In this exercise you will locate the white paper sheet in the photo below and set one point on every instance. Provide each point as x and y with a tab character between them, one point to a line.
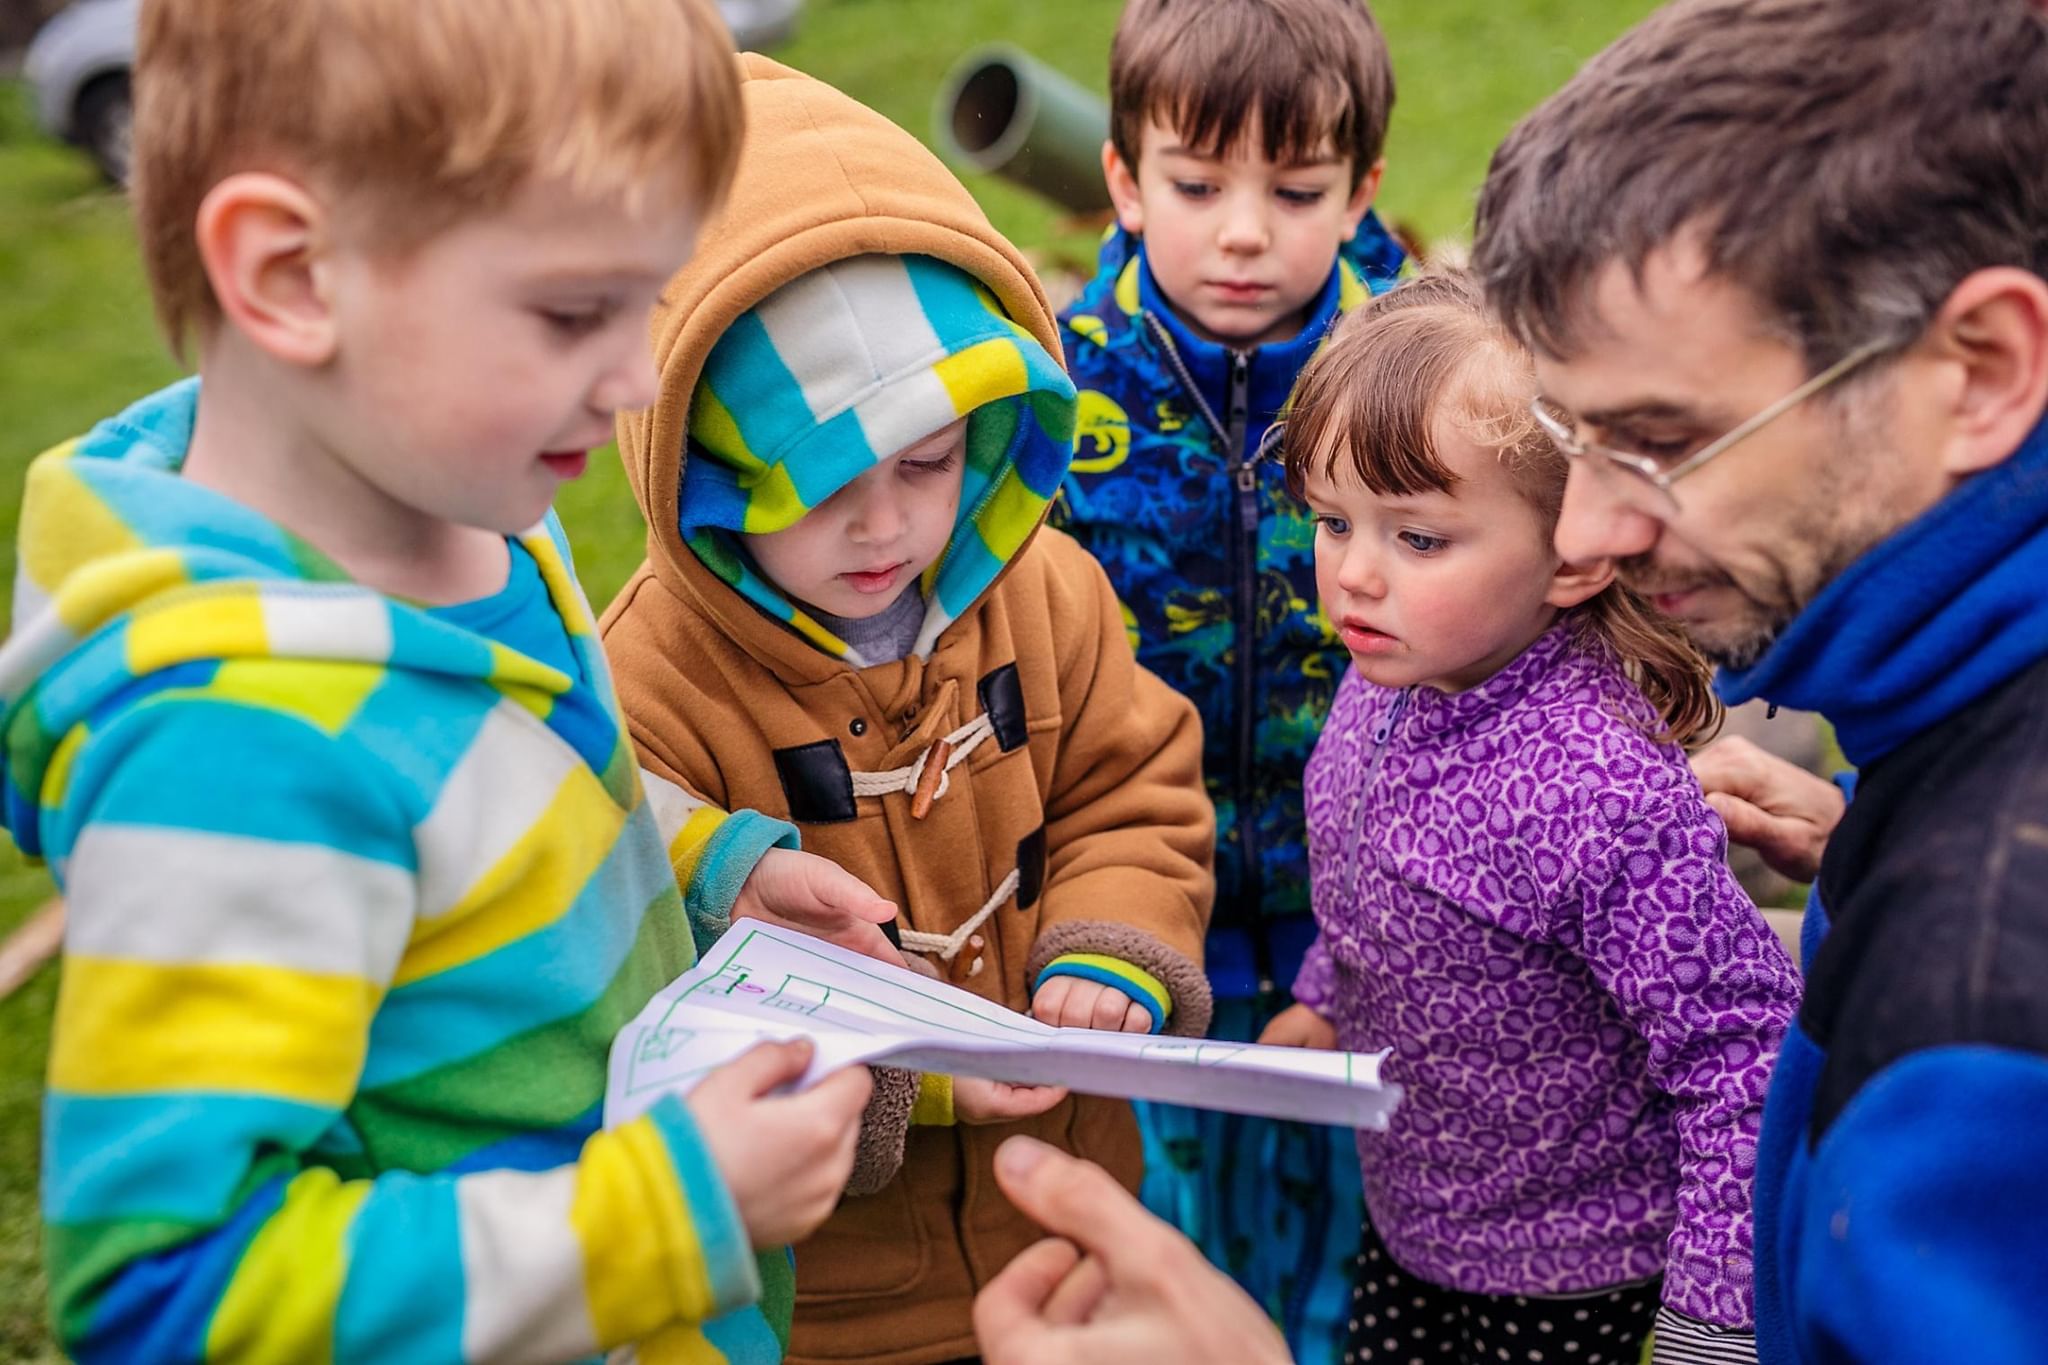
761	982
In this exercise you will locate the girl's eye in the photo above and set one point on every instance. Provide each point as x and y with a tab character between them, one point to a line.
1336	526
1421	543
938	466
1301	198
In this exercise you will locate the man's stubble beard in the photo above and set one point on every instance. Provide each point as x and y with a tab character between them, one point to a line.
1845	512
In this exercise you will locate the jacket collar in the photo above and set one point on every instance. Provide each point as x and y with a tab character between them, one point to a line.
1431	712
1270	370
1927	621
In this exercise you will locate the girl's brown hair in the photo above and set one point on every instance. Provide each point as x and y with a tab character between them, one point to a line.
1429	348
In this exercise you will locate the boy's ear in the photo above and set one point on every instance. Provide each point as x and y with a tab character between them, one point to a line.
260	238
1123	189
1575	583
1361	198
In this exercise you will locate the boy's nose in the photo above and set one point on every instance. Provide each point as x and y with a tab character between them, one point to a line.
1244	228
1595	524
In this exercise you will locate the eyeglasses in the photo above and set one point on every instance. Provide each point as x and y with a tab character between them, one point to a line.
1644	482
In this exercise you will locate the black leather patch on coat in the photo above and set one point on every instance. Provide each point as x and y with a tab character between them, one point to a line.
1030	868
816	782
1002	696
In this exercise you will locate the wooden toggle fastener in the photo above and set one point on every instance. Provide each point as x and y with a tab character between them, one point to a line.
928	780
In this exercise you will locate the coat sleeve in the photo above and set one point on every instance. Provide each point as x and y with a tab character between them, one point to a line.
1701	978
712	847
713	851
240	901
1923	1212
1130	833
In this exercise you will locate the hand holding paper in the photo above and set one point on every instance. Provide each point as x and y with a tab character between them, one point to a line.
784	1158
762	982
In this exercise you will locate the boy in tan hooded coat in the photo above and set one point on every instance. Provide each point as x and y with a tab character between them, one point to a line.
851	617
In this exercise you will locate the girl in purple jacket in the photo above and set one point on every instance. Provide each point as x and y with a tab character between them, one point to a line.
1517	884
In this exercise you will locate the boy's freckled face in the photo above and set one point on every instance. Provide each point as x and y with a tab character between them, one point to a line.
476	372
1240	245
856	552
1437	589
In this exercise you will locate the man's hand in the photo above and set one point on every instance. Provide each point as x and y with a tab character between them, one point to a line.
978	1101
1777	808
1075	1002
1300	1026
1113	1285
785	1158
815	896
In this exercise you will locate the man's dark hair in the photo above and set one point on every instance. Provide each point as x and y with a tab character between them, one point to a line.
1309	72
1848	162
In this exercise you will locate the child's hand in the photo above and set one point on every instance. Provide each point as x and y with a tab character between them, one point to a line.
785	1158
978	1101
816	896
1073	1002
1300	1026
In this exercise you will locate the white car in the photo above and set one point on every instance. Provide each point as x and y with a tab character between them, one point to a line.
78	68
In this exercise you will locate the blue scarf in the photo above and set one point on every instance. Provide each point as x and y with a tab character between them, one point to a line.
1927	621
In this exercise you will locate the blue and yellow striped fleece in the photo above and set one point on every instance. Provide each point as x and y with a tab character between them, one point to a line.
357	900
840	369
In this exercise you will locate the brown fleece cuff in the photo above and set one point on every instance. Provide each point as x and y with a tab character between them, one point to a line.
884	1125
1184	981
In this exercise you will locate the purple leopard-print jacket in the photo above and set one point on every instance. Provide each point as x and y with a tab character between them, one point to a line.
1526	898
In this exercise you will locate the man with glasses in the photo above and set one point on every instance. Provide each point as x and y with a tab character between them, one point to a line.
1782	264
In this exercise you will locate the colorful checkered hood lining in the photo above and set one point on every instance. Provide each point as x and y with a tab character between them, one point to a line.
840	369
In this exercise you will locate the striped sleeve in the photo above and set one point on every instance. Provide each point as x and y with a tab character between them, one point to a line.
1680	1340
1147	990
242	887
713	851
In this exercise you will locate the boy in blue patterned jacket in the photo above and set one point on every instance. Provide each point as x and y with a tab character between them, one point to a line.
1243	160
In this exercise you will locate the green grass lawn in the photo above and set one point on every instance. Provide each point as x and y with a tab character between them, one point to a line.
77	342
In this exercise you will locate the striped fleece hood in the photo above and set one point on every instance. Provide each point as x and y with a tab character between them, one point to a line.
133	579
838	370
828	321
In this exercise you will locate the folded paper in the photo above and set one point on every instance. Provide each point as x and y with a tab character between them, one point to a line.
762	983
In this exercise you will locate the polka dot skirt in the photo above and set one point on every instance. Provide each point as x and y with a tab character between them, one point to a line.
1397	1319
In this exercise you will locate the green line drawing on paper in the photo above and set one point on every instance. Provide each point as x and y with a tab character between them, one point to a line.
762	982
945	1014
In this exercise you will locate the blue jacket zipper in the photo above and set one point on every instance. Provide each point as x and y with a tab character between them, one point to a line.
1244	561
1245	479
